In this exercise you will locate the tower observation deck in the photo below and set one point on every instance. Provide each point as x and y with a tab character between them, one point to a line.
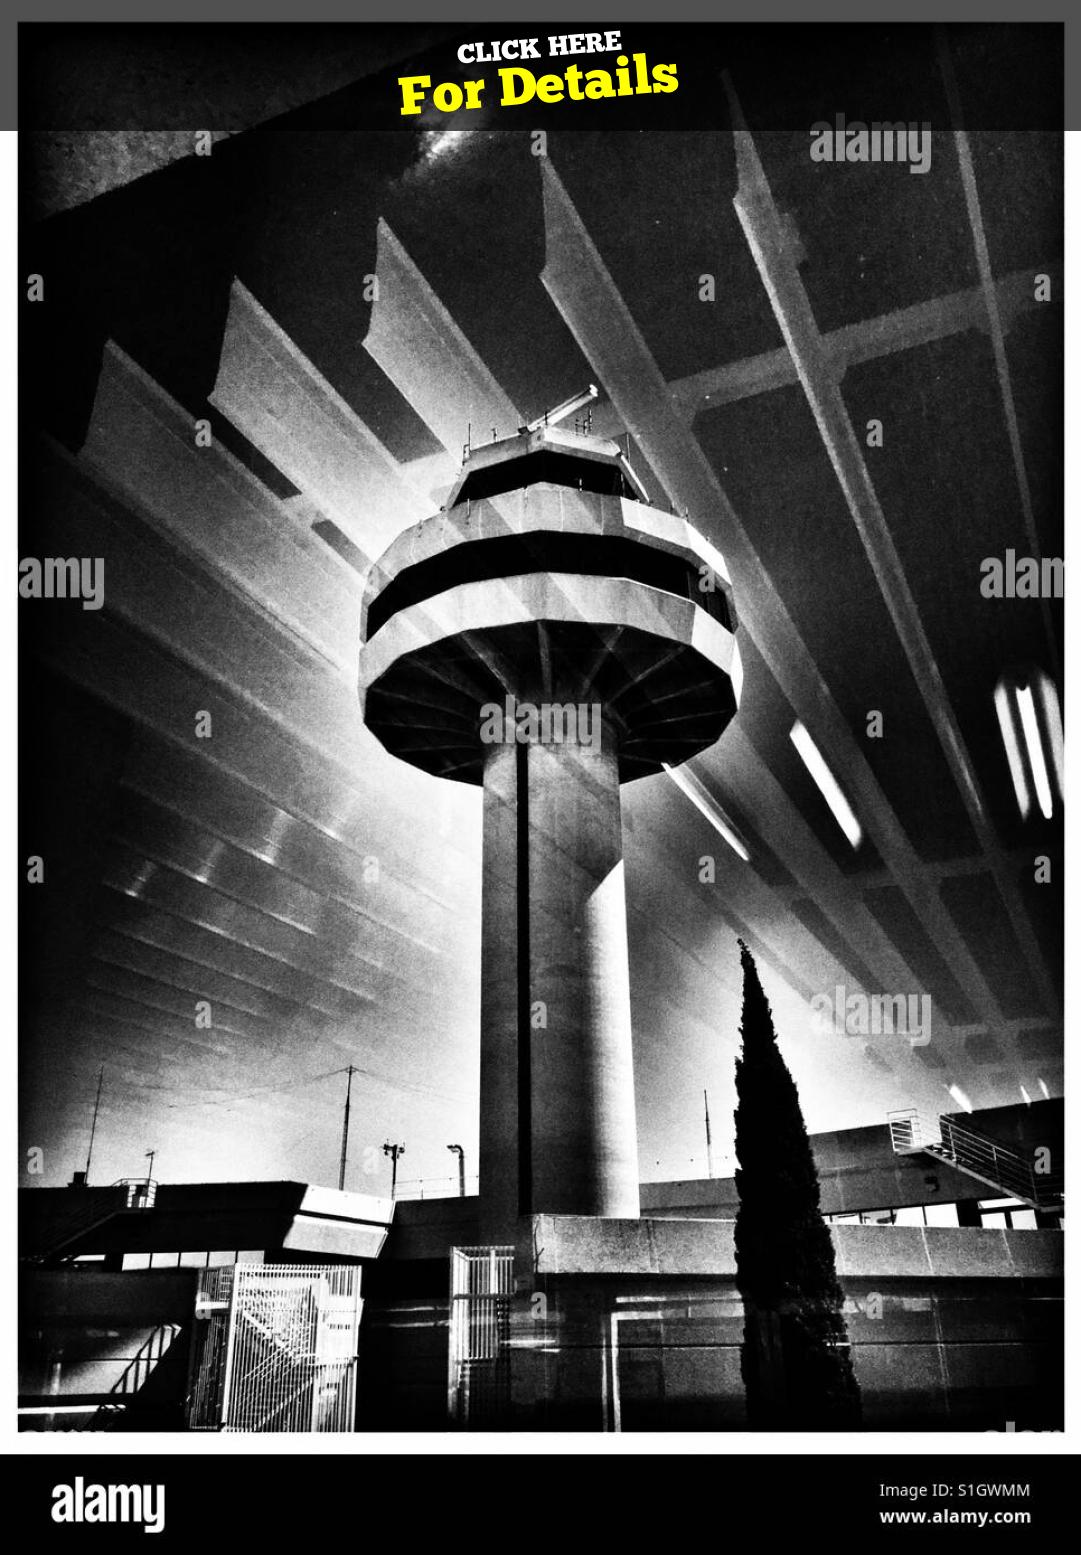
550	635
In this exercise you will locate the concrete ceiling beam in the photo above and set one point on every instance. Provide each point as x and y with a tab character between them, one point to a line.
428	359
272	394
141	445
761	222
588	301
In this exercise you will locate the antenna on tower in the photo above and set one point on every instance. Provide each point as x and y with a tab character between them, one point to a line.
709	1139
561	412
94	1125
351	1071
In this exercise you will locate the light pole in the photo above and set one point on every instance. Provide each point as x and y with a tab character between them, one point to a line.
460	1153
394	1151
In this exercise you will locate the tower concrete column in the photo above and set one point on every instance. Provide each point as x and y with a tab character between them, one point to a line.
504	1039
558	1129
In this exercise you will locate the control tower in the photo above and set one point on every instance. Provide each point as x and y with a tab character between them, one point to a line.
548	636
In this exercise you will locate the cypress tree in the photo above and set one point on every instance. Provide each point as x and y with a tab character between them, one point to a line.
795	1359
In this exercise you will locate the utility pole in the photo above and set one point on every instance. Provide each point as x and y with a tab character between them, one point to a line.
351	1071
709	1139
460	1153
394	1151
94	1125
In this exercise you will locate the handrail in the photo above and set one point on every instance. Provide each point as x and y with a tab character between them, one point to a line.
140	1367
140	1196
85	1219
968	1149
978	1149
414	1188
142	1191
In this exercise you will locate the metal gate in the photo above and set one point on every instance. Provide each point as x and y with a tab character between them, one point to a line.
275	1348
481	1284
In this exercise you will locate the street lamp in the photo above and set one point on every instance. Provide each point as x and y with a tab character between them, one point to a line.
460	1153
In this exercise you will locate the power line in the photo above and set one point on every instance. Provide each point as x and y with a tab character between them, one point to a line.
371	1074
265	1090
227	1101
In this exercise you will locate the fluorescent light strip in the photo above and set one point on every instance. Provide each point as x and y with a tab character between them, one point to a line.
1027	709
1052	723
827	784
688	784
1013	752
960	1098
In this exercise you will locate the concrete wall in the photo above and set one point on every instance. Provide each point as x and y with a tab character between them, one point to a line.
665	1355
640	1323
429	1228
403	1372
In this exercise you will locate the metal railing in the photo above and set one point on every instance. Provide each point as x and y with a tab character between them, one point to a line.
135	1376
910	1132
482	1281
276	1348
142	1191
126	1193
434	1188
982	1156
969	1150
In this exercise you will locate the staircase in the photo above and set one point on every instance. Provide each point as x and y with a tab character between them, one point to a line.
66	1237
1011	1174
110	1416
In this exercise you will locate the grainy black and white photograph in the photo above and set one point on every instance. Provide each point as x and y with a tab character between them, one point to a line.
540	730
